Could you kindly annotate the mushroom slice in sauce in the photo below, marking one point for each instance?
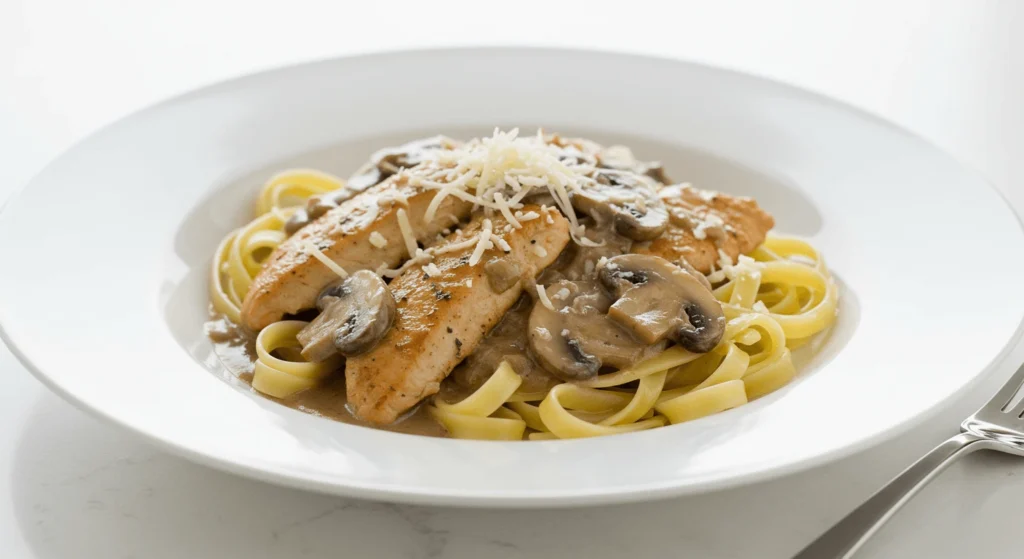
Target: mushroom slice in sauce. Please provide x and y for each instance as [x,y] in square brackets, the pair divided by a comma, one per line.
[621,158]
[629,200]
[576,339]
[381,165]
[502,273]
[355,315]
[658,300]
[389,161]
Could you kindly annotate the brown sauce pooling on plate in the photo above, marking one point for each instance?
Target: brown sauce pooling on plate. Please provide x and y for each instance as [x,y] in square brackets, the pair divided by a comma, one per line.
[630,282]
[236,350]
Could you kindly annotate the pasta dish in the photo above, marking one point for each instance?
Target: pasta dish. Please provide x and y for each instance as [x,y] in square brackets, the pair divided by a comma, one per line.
[512,287]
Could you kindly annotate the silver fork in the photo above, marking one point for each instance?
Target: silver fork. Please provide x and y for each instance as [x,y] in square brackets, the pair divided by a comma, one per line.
[995,426]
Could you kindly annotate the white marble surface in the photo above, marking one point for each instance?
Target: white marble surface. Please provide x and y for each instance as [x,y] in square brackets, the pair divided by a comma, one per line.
[73,488]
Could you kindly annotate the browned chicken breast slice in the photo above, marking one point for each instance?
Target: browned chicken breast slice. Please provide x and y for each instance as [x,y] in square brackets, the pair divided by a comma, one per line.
[443,316]
[362,233]
[702,222]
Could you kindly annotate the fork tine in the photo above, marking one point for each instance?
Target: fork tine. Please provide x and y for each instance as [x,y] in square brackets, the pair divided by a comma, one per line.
[1008,391]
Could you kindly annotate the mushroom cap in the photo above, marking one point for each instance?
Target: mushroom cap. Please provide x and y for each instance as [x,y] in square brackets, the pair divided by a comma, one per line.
[576,339]
[297,221]
[502,273]
[658,300]
[622,158]
[355,314]
[388,161]
[629,200]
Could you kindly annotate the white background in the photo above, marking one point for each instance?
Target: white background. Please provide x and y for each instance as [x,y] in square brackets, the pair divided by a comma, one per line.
[72,488]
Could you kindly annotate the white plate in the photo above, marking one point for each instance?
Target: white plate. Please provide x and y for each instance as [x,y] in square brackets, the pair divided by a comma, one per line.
[102,293]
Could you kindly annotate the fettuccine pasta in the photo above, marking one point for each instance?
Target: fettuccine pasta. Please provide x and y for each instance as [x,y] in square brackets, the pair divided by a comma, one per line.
[773,301]
[239,256]
[597,271]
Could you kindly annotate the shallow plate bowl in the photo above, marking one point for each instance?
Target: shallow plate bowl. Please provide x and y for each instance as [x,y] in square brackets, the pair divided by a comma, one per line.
[103,295]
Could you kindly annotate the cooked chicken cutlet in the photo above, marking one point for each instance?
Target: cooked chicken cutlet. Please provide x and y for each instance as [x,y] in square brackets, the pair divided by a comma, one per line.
[702,222]
[361,234]
[441,318]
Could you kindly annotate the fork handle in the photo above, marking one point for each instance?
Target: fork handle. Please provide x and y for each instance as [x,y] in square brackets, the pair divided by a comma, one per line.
[843,539]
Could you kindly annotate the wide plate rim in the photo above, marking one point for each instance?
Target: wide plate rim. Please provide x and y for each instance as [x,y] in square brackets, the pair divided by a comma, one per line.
[498,498]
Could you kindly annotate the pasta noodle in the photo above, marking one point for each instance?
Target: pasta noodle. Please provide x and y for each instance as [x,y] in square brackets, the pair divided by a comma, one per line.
[774,301]
[279,376]
[240,255]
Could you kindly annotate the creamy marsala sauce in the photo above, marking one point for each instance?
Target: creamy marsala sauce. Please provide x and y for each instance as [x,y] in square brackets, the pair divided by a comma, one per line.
[572,281]
[507,341]
[236,350]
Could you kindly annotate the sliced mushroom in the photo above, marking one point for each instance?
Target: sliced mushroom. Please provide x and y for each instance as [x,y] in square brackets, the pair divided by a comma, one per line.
[577,339]
[629,200]
[502,273]
[381,165]
[354,315]
[621,158]
[658,300]
[578,262]
[297,221]
[317,206]
[656,171]
[388,161]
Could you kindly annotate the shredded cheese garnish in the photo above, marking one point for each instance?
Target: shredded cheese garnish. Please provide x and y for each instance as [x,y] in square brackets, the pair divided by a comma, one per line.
[378,240]
[542,295]
[499,171]
[314,251]
[708,222]
[502,244]
[481,245]
[505,211]
[454,247]
[407,234]
[432,270]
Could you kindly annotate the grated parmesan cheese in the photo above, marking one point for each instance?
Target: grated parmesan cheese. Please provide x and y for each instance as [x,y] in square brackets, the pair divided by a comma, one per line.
[502,244]
[378,240]
[483,239]
[421,257]
[314,251]
[454,247]
[543,297]
[706,195]
[432,270]
[407,234]
[710,221]
[724,260]
[716,276]
[499,171]
[503,207]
